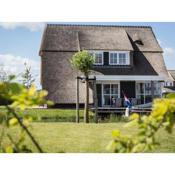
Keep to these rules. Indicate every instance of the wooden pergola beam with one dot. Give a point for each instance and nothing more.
(89, 79)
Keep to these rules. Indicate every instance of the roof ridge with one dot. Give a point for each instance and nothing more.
(99, 25)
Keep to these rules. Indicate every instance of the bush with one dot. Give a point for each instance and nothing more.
(162, 116)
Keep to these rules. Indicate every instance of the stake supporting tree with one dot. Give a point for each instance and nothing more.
(77, 101)
(86, 105)
(95, 100)
(93, 80)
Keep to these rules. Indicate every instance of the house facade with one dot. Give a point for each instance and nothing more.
(128, 60)
(169, 86)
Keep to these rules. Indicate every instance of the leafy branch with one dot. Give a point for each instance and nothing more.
(25, 129)
(21, 99)
(162, 116)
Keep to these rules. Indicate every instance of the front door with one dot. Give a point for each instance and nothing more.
(128, 88)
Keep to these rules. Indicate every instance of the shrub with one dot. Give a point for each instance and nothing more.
(162, 116)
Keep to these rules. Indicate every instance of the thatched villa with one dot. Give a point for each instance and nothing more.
(169, 86)
(128, 59)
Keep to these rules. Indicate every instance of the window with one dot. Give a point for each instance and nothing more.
(110, 94)
(171, 84)
(143, 91)
(139, 42)
(113, 58)
(98, 57)
(122, 58)
(148, 88)
(168, 83)
(119, 58)
(140, 92)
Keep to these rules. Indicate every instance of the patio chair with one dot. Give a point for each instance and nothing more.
(133, 101)
(118, 102)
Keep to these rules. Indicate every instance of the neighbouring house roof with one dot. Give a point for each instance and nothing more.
(172, 74)
(61, 37)
(168, 90)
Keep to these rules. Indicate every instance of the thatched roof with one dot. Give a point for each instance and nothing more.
(60, 40)
(60, 37)
(104, 40)
(144, 64)
(172, 74)
(148, 58)
(168, 90)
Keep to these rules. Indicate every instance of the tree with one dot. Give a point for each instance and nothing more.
(3, 74)
(83, 62)
(161, 117)
(27, 77)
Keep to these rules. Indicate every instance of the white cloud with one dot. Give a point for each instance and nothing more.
(15, 65)
(32, 26)
(169, 52)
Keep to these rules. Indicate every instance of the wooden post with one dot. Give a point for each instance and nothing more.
(86, 111)
(77, 101)
(152, 90)
(95, 100)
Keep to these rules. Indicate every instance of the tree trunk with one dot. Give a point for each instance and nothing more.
(86, 107)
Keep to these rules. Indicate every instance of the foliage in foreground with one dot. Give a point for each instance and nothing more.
(21, 99)
(162, 116)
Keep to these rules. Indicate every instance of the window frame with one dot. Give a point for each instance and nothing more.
(110, 94)
(110, 62)
(157, 89)
(98, 52)
(127, 58)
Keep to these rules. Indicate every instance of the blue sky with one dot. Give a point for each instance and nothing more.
(20, 42)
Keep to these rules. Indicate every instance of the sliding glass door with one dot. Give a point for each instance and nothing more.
(143, 91)
(110, 93)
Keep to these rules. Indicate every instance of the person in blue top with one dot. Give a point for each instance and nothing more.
(128, 105)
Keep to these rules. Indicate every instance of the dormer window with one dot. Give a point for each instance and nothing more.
(98, 55)
(113, 60)
(122, 58)
(119, 58)
(139, 42)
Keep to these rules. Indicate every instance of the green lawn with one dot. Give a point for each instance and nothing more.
(65, 135)
(52, 115)
(85, 138)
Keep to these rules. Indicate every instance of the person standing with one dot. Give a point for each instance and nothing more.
(128, 105)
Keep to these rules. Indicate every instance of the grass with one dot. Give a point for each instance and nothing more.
(61, 115)
(52, 115)
(84, 138)
(66, 136)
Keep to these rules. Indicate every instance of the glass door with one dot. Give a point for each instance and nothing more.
(106, 95)
(109, 94)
